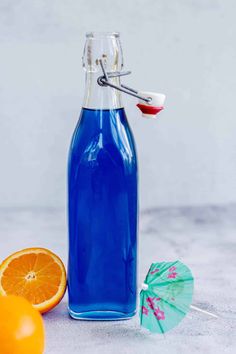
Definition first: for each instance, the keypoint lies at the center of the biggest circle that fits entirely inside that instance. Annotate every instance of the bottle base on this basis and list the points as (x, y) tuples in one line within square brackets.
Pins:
[(101, 315)]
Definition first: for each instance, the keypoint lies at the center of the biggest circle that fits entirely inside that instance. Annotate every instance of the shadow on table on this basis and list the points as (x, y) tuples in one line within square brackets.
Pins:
[(122, 332)]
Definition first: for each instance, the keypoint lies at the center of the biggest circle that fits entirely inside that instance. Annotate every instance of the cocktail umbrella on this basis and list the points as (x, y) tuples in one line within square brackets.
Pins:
[(166, 296)]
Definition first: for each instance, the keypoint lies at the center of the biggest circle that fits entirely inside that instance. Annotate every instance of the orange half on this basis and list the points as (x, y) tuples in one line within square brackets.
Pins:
[(37, 274)]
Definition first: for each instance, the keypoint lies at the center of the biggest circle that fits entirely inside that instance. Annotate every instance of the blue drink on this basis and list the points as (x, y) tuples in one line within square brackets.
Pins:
[(102, 217)]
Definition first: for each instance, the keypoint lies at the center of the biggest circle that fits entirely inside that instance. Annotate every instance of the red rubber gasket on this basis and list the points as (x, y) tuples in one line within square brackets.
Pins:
[(149, 109)]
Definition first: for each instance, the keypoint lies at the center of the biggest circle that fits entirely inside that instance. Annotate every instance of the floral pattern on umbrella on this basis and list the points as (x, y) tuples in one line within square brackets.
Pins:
[(167, 296)]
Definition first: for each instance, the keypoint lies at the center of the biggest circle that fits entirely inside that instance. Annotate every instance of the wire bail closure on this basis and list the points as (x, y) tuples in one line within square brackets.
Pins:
[(104, 81)]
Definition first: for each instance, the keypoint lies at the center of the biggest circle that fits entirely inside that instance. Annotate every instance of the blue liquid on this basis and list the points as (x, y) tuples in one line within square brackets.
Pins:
[(102, 186)]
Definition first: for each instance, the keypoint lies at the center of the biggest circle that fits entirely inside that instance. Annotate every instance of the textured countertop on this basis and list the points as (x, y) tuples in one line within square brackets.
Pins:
[(202, 237)]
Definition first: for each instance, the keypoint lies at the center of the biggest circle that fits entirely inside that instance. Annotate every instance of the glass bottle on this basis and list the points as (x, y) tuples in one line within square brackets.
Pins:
[(102, 195)]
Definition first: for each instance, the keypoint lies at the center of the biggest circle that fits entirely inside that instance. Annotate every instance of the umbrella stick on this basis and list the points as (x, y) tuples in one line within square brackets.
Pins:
[(203, 311)]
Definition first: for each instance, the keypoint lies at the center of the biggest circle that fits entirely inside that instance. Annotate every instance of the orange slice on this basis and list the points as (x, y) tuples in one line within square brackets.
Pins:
[(37, 274)]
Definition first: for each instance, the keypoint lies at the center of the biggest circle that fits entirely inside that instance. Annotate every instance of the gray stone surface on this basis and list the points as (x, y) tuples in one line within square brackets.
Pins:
[(203, 237)]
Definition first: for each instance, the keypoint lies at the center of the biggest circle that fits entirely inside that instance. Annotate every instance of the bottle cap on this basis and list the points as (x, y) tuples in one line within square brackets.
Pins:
[(152, 108)]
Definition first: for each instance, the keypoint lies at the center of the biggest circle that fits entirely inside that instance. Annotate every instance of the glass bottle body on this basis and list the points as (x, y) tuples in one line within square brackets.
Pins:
[(102, 206)]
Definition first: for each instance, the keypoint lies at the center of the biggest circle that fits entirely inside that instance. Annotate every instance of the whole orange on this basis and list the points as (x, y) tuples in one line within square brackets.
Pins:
[(21, 327)]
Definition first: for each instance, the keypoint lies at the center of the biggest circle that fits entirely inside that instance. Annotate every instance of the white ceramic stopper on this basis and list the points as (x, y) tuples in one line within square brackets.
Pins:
[(158, 100)]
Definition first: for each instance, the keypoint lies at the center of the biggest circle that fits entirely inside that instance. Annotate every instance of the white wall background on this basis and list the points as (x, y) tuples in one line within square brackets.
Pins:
[(184, 48)]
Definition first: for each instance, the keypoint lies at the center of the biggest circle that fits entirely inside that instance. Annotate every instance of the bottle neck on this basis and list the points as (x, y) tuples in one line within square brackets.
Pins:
[(105, 47), (101, 97)]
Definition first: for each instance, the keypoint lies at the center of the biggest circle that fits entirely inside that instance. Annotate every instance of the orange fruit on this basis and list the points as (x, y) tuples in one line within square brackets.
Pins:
[(21, 327), (37, 274)]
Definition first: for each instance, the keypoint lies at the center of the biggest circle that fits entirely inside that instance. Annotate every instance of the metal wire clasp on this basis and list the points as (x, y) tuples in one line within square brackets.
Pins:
[(104, 81)]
